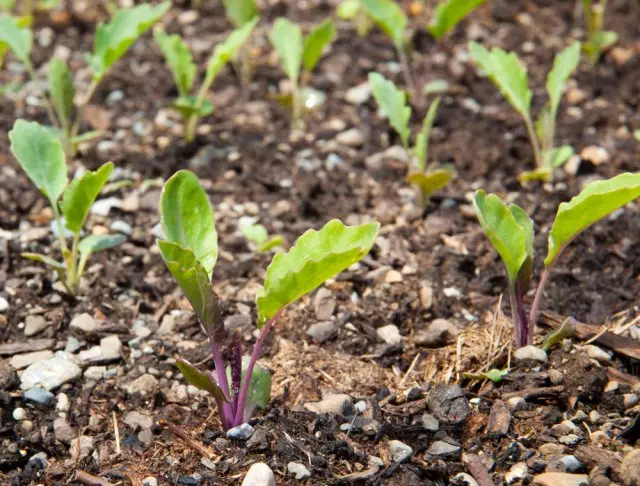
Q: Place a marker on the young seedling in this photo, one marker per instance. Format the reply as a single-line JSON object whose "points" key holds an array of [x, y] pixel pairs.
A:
{"points": [[240, 13], [598, 40], [40, 154], [510, 231], [259, 236], [428, 178], [448, 14], [191, 106], [352, 10], [299, 56], [112, 40], [190, 251], [509, 75]]}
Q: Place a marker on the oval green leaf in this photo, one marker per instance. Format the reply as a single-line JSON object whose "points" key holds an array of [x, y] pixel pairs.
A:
{"points": [[17, 38], [314, 44], [187, 218], [240, 12], [80, 195], [40, 154], [178, 57], [287, 39], [200, 379], [448, 14], [390, 17], [315, 257], [95, 243], [596, 201], [393, 103], [62, 91], [564, 65], [508, 228]]}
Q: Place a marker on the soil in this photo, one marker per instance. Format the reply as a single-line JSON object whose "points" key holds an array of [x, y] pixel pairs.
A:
{"points": [[251, 163]]}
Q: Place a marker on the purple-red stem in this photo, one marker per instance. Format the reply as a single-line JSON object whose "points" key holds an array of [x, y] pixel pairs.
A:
{"points": [[227, 412], [236, 369], [525, 335], [533, 315], [255, 354]]}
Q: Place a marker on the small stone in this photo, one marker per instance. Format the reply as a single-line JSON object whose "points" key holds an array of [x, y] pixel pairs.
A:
{"points": [[611, 386], [621, 55], [4, 305], [335, 404], [21, 361], [364, 425], [358, 94], [393, 276], [376, 161], [145, 436], [298, 470], [360, 406], [517, 404], [138, 420], [144, 385], [499, 419], [351, 138], [103, 206], [400, 451], [594, 417], [448, 404], [19, 414], [629, 400], [426, 296], [465, 479], [259, 474], [390, 334], [566, 427], [41, 458], [555, 377], [322, 331], [565, 464], [34, 325], [570, 439], [595, 155], [258, 441], [240, 432], [39, 395], [120, 226], [630, 468], [63, 431], [8, 375], [62, 404], [85, 323], [240, 322], [26, 426], [551, 449], [110, 348], [150, 481], [561, 479], [95, 373], [443, 450], [324, 304], [530, 353], [81, 447], [517, 473], [430, 423], [579, 416], [437, 334]]}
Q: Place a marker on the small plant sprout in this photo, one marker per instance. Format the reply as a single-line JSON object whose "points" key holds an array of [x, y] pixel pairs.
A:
{"points": [[190, 251], [40, 154], [299, 56], [448, 14], [191, 106], [428, 178], [240, 13], [598, 40], [112, 40], [510, 231], [352, 10], [259, 236], [509, 75]]}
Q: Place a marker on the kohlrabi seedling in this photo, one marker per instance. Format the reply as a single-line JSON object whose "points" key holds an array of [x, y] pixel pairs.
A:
{"points": [[190, 251], [192, 106], [509, 75], [598, 40], [41, 156], [510, 231], [299, 56], [112, 40], [240, 13], [428, 178], [352, 10], [448, 14], [259, 236]]}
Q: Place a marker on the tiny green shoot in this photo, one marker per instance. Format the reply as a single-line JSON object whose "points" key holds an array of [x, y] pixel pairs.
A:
{"points": [[510, 230], [299, 56], [193, 105], [259, 236], [240, 13], [509, 75], [352, 10], [41, 156], [448, 14], [598, 40]]}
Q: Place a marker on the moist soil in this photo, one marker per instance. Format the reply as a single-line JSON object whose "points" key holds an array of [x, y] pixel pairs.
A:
{"points": [[252, 164]]}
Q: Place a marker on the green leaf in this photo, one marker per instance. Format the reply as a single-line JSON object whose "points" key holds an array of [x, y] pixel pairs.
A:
{"points": [[187, 218], [508, 228], [494, 375], [18, 39], [37, 257], [388, 15], [86, 136], [559, 156], [80, 195], [437, 86], [564, 65], [393, 103], [271, 243], [94, 243], [556, 336], [200, 379], [431, 181], [506, 71], [448, 14], [41, 156], [194, 282], [188, 105], [259, 386], [112, 40], [348, 9], [315, 257], [178, 56], [421, 148], [255, 233], [543, 174], [225, 51], [314, 44], [596, 201], [287, 39], [62, 91], [240, 12]]}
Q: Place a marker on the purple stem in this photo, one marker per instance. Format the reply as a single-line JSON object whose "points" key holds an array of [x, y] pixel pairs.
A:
{"points": [[236, 368], [533, 314], [255, 354], [525, 336], [227, 413]]}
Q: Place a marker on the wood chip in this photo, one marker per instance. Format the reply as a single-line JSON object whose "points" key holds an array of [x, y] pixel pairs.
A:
{"points": [[499, 419], [9, 349], [548, 391]]}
